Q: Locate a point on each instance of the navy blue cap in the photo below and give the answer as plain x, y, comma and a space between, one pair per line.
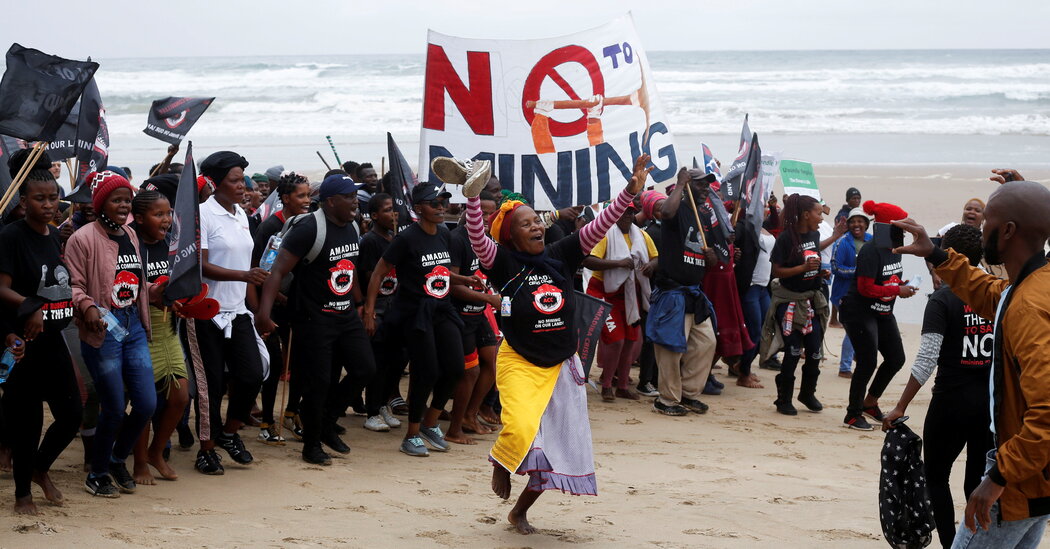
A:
338, 184
428, 191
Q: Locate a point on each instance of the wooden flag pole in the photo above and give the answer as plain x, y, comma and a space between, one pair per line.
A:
34, 155
284, 386
382, 166
323, 161
696, 213
72, 175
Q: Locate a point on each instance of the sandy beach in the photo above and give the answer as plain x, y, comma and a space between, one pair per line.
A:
740, 476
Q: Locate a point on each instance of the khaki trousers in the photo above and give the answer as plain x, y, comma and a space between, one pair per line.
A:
684, 374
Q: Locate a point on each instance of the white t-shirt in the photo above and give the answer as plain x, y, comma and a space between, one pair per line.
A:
229, 243
763, 268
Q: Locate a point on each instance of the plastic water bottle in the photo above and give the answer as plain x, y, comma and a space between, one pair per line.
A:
115, 329
7, 362
270, 255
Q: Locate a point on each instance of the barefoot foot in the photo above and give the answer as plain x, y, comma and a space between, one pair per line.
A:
750, 381
521, 524
51, 492
459, 438
142, 475
500, 482
25, 506
5, 459
476, 427
162, 467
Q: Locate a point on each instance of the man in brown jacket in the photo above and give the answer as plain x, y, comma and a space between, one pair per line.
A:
1016, 488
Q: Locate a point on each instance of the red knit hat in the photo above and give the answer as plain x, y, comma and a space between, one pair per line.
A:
204, 181
884, 212
103, 184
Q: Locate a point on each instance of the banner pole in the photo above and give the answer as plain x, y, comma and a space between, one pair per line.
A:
34, 155
323, 161
284, 386
331, 144
382, 166
72, 175
696, 213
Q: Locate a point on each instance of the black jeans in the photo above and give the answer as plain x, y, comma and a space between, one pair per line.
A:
872, 334
391, 359
795, 344
45, 374
647, 370
436, 357
234, 363
955, 418
321, 349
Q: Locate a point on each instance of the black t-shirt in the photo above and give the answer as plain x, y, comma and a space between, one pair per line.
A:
885, 267
966, 351
34, 263
654, 230
784, 255
271, 226
155, 256
541, 326
372, 248
322, 288
681, 261
463, 256
422, 262
128, 274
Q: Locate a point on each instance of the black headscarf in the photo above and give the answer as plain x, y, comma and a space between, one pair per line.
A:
219, 164
165, 184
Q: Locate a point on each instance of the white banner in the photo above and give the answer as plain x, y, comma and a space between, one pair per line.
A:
562, 119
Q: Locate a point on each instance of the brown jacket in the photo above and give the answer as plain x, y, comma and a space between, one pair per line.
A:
1022, 402
91, 256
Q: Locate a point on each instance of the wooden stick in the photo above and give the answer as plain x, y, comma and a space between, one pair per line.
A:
284, 386
382, 166
72, 175
325, 162
334, 152
38, 150
699, 225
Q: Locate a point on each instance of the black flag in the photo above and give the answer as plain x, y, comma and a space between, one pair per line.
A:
64, 145
756, 190
38, 91
8, 146
717, 227
732, 181
184, 250
400, 181
171, 118
92, 134
591, 313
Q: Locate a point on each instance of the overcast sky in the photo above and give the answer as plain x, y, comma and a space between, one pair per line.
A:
142, 28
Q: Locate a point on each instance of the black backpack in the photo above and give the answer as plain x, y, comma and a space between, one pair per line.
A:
904, 509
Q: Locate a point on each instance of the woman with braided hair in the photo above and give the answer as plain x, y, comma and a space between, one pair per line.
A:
546, 434
958, 344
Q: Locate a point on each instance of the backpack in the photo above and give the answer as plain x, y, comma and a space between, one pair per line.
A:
315, 249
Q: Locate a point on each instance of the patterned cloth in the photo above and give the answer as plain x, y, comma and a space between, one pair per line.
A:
904, 510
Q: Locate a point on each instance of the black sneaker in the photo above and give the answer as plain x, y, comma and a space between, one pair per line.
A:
209, 462
338, 429
858, 423
771, 364
316, 455
785, 407
333, 441
811, 403
125, 482
874, 413
694, 406
102, 487
672, 410
235, 447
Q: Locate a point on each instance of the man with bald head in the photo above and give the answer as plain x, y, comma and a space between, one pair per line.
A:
1012, 503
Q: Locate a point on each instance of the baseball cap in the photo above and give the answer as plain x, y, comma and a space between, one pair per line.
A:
338, 184
428, 191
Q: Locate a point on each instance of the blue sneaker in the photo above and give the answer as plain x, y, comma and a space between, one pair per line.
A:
414, 447
434, 437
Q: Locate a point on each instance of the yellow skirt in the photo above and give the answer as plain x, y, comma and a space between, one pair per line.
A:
169, 362
524, 392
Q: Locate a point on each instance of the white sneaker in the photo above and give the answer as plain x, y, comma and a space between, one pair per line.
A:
472, 174
389, 418
376, 423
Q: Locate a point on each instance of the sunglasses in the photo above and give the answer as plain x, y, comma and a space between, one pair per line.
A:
437, 203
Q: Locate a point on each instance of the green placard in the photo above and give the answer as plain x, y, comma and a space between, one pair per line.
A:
798, 177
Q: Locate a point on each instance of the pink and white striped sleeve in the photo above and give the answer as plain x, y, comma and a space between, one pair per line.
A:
483, 246
593, 232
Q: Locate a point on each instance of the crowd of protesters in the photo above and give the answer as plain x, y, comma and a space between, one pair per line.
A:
341, 287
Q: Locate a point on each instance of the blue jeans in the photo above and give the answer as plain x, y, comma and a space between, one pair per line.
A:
846, 363
755, 305
120, 368
1014, 534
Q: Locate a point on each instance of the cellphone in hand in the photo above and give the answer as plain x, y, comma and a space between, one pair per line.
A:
888, 236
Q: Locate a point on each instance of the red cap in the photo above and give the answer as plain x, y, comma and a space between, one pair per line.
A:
884, 212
